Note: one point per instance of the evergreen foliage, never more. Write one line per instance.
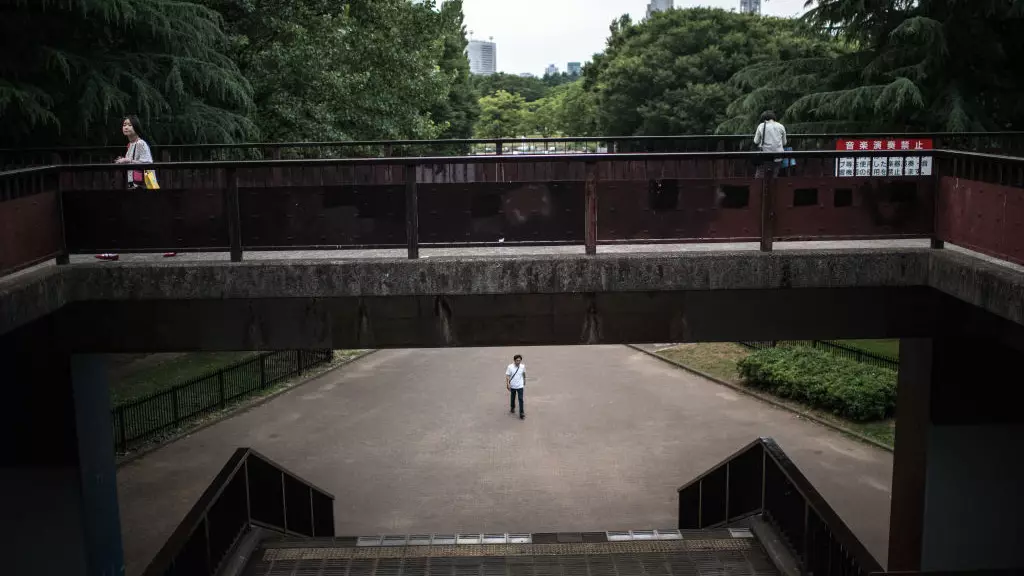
(72, 69)
(933, 65)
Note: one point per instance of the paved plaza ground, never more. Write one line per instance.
(422, 441)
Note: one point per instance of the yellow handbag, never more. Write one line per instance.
(149, 176)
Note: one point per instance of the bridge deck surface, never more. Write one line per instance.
(421, 441)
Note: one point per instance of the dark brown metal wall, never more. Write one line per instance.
(29, 230)
(166, 219)
(982, 216)
(830, 208)
(684, 200)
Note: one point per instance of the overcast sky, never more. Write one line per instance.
(534, 33)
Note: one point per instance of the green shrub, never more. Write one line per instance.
(850, 389)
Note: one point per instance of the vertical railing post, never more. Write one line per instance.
(412, 213)
(497, 148)
(231, 207)
(174, 402)
(284, 504)
(935, 241)
(220, 387)
(263, 371)
(767, 205)
(275, 172)
(805, 557)
(122, 439)
(590, 209)
(298, 360)
(63, 257)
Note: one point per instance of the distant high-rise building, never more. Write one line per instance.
(483, 57)
(574, 68)
(750, 6)
(551, 70)
(658, 6)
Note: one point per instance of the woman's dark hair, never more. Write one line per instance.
(517, 357)
(136, 124)
(765, 116)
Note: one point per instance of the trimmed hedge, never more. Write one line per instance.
(856, 391)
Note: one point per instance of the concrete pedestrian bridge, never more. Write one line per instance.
(585, 249)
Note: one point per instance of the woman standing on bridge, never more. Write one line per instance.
(138, 153)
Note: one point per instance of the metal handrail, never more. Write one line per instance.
(808, 493)
(517, 159)
(165, 560)
(658, 138)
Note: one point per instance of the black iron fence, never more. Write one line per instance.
(1011, 143)
(140, 420)
(761, 479)
(838, 349)
(249, 491)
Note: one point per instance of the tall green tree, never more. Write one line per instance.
(351, 69)
(529, 87)
(925, 64)
(502, 115)
(670, 74)
(459, 112)
(289, 51)
(72, 69)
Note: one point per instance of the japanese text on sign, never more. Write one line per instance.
(848, 167)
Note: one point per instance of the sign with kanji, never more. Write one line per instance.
(848, 167)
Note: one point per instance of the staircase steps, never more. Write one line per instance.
(732, 552)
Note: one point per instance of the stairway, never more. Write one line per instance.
(732, 551)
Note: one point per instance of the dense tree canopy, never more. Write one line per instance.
(230, 70)
(72, 69)
(530, 88)
(502, 115)
(950, 65)
(670, 74)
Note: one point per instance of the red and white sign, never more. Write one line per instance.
(881, 165)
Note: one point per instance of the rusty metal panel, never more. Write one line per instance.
(515, 212)
(679, 209)
(137, 220)
(29, 230)
(830, 208)
(985, 217)
(307, 216)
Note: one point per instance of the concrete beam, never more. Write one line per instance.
(571, 298)
(498, 320)
(552, 274)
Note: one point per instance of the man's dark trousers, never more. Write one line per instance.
(512, 400)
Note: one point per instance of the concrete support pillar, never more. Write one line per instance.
(913, 402)
(58, 496)
(957, 472)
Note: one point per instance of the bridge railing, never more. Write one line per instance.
(249, 491)
(1011, 143)
(761, 479)
(583, 199)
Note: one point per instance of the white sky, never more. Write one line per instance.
(534, 33)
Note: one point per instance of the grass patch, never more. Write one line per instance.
(169, 371)
(721, 359)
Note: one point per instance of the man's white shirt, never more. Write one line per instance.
(517, 374)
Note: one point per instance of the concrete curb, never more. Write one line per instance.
(231, 412)
(768, 399)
